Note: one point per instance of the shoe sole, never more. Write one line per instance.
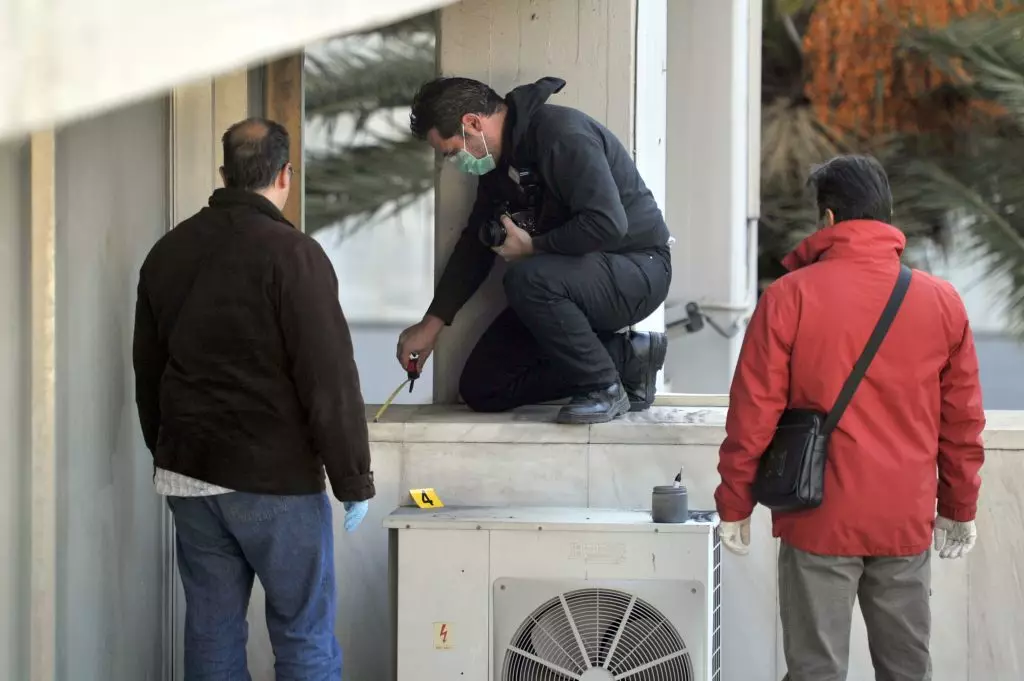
(659, 349)
(618, 409)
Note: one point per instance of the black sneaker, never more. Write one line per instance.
(596, 406)
(641, 381)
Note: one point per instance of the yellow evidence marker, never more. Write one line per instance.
(426, 498)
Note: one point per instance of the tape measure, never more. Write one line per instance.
(412, 373)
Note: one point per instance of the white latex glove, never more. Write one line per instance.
(953, 539)
(736, 536)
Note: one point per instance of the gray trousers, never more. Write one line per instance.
(816, 599)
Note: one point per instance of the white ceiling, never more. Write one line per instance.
(64, 59)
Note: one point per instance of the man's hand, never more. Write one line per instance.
(419, 338)
(518, 242)
(953, 539)
(355, 511)
(736, 536)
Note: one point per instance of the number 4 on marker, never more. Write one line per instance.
(426, 498)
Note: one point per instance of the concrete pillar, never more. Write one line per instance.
(506, 43)
(284, 101)
(651, 117)
(200, 113)
(712, 202)
(43, 400)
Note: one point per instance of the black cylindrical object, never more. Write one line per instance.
(669, 504)
(492, 233)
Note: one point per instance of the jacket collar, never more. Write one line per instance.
(849, 240)
(232, 198)
(523, 102)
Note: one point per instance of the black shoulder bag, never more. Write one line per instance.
(791, 474)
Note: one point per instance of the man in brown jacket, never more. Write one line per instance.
(247, 390)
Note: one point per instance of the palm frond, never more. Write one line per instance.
(354, 184)
(983, 53)
(974, 177)
(782, 60)
(357, 81)
(417, 25)
(982, 191)
(793, 140)
(360, 83)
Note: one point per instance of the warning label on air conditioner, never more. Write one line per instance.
(443, 636)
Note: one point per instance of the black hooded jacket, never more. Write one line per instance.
(594, 198)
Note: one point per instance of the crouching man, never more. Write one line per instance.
(908, 441)
(561, 200)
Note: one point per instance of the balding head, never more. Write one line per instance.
(256, 153)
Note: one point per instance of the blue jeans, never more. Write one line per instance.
(223, 542)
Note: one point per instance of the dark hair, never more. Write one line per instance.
(255, 151)
(443, 102)
(854, 188)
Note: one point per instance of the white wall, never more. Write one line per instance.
(504, 43)
(112, 188)
(386, 268)
(14, 409)
(708, 199)
(64, 59)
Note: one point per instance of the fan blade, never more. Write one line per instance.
(553, 667)
(546, 644)
(649, 665)
(575, 631)
(618, 633)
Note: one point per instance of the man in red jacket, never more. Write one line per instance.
(917, 411)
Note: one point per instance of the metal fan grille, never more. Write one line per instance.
(573, 636)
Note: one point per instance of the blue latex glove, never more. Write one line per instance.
(355, 511)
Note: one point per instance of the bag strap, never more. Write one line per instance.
(874, 342)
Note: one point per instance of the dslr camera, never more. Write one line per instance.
(529, 190)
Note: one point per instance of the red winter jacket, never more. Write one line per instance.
(917, 411)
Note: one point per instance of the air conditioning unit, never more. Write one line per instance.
(555, 594)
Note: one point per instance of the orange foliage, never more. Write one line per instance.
(858, 79)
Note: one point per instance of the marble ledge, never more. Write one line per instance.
(661, 425)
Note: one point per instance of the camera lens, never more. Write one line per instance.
(525, 220)
(492, 234)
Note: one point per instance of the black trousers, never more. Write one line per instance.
(559, 337)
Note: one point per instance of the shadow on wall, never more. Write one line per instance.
(112, 190)
(14, 408)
